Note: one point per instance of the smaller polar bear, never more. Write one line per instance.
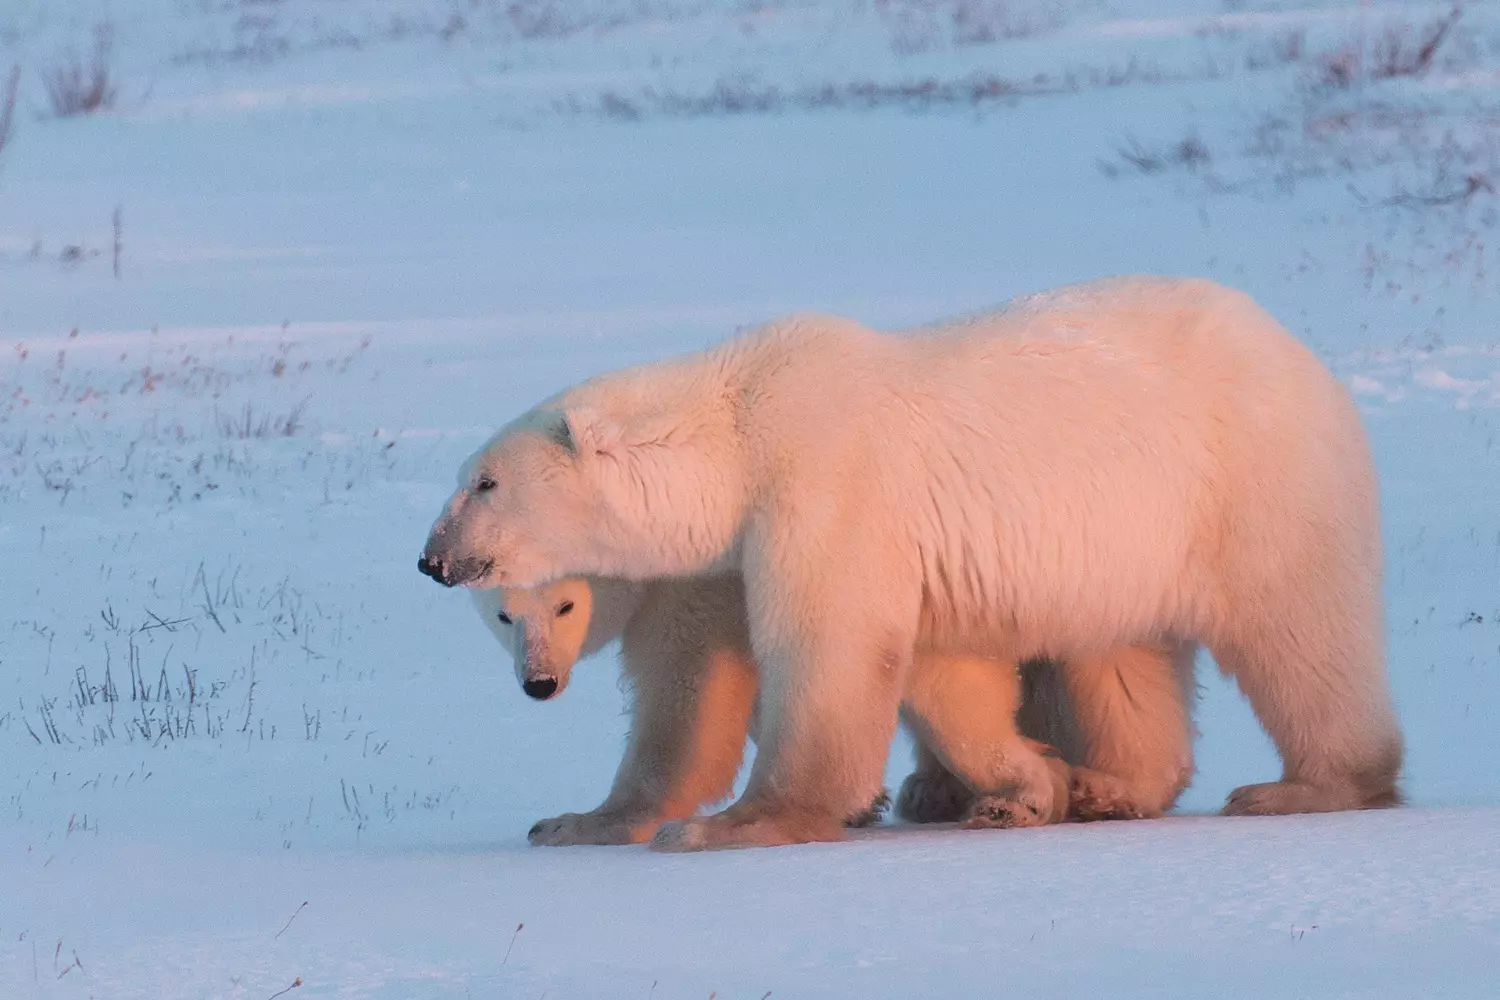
(687, 661)
(1089, 474)
(1125, 737)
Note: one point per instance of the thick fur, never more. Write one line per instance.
(1131, 462)
(689, 665)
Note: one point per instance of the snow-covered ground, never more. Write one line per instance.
(354, 236)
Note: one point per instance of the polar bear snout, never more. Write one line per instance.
(454, 572)
(432, 567)
(540, 688)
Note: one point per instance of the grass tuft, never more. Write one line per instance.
(74, 88)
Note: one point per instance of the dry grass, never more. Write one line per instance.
(554, 19)
(746, 94)
(1188, 153)
(1399, 49)
(250, 423)
(1282, 49)
(740, 96)
(919, 25)
(8, 107)
(74, 88)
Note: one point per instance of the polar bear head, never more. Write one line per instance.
(637, 475)
(548, 629)
(523, 505)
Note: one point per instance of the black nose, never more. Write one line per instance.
(540, 688)
(432, 568)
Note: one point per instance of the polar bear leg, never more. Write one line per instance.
(1318, 687)
(870, 814)
(690, 718)
(1132, 735)
(964, 708)
(833, 657)
(818, 763)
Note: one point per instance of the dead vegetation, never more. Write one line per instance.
(920, 25)
(746, 96)
(263, 33)
(1188, 153)
(250, 423)
(78, 87)
(554, 19)
(1399, 49)
(8, 106)
(1281, 49)
(1445, 192)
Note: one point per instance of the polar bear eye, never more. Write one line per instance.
(484, 485)
(505, 618)
(564, 609)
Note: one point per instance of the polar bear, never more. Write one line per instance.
(1114, 466)
(688, 664)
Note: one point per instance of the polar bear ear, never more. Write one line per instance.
(582, 431)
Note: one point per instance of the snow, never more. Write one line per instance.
(352, 246)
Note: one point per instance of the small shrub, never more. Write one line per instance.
(76, 89)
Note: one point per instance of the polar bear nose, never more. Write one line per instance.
(540, 688)
(431, 567)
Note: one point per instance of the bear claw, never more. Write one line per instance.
(871, 814)
(996, 813)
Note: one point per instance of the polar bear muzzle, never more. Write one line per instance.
(454, 572)
(540, 688)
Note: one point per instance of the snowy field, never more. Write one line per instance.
(256, 309)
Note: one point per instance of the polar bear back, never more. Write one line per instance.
(1105, 463)
(1099, 437)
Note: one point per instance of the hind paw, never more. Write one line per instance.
(1093, 795)
(933, 797)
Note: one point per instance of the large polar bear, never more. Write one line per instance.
(1103, 469)
(690, 671)
(688, 663)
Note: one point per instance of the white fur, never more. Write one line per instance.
(1127, 462)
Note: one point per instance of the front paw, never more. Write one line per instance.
(871, 814)
(1038, 802)
(571, 829)
(998, 812)
(728, 830)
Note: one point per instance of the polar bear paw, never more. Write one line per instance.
(1278, 798)
(933, 797)
(1004, 812)
(1094, 795)
(728, 830)
(599, 828)
(870, 814)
